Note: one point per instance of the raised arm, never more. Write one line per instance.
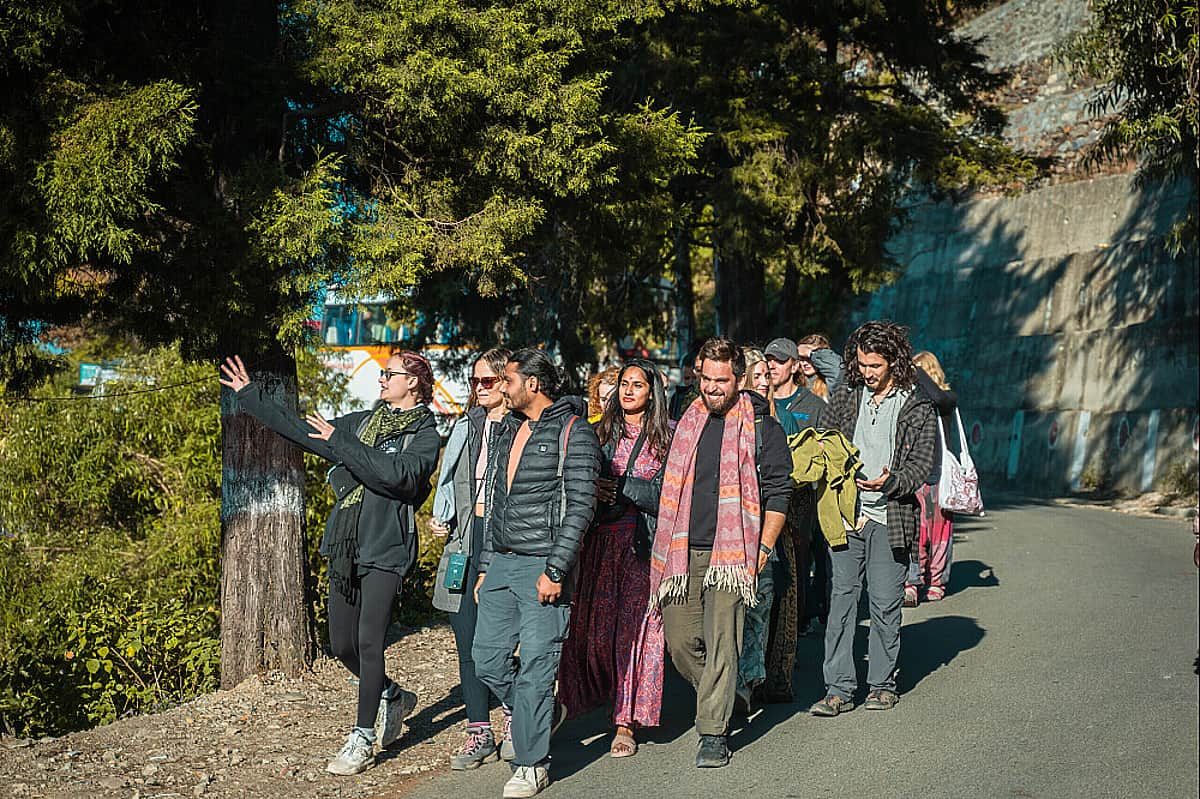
(400, 475)
(253, 398)
(829, 365)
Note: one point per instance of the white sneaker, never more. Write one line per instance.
(389, 721)
(527, 781)
(356, 756)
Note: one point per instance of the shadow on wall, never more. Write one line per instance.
(1068, 330)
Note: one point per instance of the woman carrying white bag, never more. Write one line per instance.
(930, 571)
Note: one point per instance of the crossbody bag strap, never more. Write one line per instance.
(962, 434)
(564, 438)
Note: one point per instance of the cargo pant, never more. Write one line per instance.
(704, 635)
(510, 613)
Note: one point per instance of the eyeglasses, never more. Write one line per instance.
(486, 383)
(388, 374)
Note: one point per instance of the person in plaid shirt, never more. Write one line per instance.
(894, 425)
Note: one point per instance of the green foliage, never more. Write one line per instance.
(1181, 480)
(483, 147)
(1146, 56)
(96, 185)
(109, 520)
(128, 654)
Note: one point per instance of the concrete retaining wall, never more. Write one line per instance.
(1068, 330)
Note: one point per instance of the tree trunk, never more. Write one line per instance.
(740, 297)
(685, 301)
(265, 623)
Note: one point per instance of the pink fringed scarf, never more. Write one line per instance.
(735, 548)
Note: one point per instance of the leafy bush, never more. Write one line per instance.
(109, 515)
(129, 654)
(110, 543)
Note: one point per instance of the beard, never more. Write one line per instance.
(721, 406)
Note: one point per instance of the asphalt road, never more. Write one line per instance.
(1061, 664)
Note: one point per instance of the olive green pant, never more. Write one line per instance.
(704, 635)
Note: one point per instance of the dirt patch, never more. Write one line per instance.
(1153, 503)
(269, 738)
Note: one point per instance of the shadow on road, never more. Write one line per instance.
(584, 740)
(930, 644)
(966, 574)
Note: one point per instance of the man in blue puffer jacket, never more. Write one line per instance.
(542, 500)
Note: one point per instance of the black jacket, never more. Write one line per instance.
(774, 464)
(395, 476)
(529, 518)
(643, 493)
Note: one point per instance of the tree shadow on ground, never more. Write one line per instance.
(585, 739)
(932, 643)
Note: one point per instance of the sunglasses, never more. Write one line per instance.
(486, 383)
(388, 374)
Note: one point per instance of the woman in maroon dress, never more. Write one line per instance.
(614, 650)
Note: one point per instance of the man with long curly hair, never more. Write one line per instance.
(893, 423)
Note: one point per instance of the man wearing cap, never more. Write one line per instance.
(796, 406)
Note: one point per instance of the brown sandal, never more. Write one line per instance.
(623, 746)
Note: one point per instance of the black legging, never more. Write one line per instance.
(476, 695)
(358, 633)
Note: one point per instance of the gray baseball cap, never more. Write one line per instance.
(782, 349)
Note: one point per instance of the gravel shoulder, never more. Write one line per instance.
(269, 737)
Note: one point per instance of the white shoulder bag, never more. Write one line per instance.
(958, 484)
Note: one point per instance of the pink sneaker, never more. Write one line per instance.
(935, 593)
(910, 596)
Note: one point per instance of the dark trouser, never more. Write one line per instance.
(509, 612)
(822, 575)
(867, 553)
(475, 693)
(704, 634)
(357, 636)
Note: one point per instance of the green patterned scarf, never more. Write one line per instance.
(383, 424)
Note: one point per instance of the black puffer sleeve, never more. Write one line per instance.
(581, 467)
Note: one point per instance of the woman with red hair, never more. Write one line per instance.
(383, 459)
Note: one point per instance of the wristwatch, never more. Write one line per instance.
(763, 548)
(555, 575)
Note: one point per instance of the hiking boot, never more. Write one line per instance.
(831, 706)
(389, 721)
(477, 749)
(357, 755)
(882, 699)
(526, 781)
(713, 752)
(507, 753)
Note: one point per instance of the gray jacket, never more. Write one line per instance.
(453, 504)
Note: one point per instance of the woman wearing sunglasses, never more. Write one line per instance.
(383, 459)
(614, 650)
(460, 509)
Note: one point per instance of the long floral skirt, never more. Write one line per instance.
(615, 649)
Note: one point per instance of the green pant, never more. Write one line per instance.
(704, 635)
